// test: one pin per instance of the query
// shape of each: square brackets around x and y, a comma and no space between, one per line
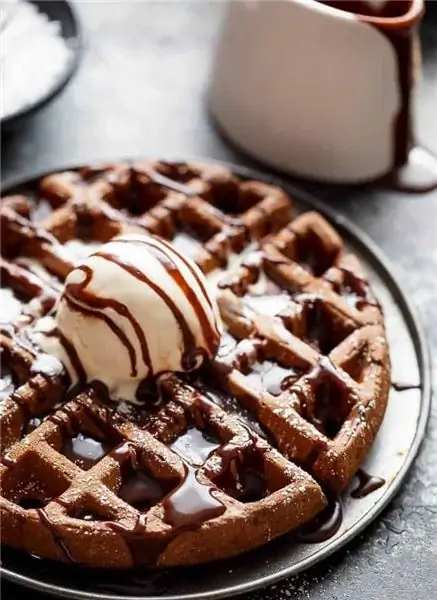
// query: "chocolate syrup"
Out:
[243,468]
[191,350]
[149,393]
[231,405]
[414,169]
[332,397]
[166,259]
[138,488]
[324,526]
[272,377]
[145,547]
[82,300]
[366,484]
[84,451]
[182,284]
[191,503]
[73,357]
[242,472]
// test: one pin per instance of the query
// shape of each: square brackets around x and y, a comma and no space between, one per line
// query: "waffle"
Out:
[223,460]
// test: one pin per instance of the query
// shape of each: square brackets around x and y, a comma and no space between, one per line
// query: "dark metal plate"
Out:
[64,13]
[391,456]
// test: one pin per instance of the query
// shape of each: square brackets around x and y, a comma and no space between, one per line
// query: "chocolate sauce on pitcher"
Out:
[414,168]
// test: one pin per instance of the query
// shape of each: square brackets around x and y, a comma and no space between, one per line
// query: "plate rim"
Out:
[58,86]
[414,325]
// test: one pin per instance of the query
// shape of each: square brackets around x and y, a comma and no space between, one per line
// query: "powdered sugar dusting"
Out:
[33,56]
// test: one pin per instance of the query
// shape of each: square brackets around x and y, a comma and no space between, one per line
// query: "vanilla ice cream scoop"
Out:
[134,309]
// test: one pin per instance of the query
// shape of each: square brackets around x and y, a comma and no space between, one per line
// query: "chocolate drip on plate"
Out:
[324,526]
[366,484]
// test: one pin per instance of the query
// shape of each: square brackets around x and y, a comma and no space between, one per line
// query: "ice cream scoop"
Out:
[131,311]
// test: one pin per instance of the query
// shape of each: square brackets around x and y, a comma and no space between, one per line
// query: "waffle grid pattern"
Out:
[298,311]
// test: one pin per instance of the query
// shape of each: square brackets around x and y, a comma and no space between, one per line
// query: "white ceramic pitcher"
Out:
[320,89]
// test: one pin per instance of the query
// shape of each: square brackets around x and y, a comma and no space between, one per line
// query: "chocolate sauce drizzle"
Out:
[73,357]
[138,488]
[191,349]
[366,484]
[166,259]
[332,397]
[187,506]
[84,451]
[192,502]
[324,526]
[82,300]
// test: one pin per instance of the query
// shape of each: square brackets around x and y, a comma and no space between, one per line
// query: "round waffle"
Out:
[252,446]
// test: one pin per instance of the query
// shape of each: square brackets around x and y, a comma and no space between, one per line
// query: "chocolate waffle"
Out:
[218,461]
